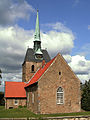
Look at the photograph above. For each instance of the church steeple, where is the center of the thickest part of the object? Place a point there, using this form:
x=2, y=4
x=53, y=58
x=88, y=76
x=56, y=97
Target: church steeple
x=37, y=29
x=37, y=40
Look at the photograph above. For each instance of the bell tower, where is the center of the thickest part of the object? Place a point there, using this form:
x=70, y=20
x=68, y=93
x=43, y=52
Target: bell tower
x=34, y=57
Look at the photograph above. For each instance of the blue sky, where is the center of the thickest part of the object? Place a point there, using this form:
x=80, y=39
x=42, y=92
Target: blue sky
x=64, y=27
x=73, y=13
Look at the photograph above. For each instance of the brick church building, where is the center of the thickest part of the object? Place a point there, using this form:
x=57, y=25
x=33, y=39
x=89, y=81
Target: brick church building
x=48, y=85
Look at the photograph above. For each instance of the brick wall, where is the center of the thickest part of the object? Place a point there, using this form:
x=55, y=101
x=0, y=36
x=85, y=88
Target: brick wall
x=10, y=102
x=51, y=81
x=27, y=72
x=32, y=91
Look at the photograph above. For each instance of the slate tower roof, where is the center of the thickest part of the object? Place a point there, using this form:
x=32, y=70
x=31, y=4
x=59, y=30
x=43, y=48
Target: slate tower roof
x=30, y=56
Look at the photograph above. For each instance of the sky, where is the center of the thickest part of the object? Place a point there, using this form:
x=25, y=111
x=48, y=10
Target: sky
x=64, y=28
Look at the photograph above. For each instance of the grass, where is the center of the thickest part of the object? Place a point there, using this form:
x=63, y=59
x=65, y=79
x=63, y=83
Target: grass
x=24, y=112
x=15, y=113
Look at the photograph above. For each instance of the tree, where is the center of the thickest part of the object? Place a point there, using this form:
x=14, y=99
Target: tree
x=2, y=102
x=0, y=74
x=85, y=100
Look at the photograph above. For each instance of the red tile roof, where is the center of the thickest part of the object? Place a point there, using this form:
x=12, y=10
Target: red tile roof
x=39, y=73
x=15, y=89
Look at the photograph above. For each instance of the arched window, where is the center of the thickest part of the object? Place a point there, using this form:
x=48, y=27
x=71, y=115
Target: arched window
x=60, y=96
x=32, y=68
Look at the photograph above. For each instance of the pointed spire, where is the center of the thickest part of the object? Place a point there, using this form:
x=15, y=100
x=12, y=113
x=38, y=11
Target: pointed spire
x=37, y=29
x=37, y=42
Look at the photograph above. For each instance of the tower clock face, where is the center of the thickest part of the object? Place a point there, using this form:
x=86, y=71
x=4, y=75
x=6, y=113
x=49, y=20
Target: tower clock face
x=38, y=56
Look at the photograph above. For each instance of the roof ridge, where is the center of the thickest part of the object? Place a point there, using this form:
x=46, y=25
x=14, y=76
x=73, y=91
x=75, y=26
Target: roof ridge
x=32, y=76
x=53, y=60
x=15, y=81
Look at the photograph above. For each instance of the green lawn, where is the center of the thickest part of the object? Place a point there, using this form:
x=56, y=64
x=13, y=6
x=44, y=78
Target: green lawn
x=23, y=112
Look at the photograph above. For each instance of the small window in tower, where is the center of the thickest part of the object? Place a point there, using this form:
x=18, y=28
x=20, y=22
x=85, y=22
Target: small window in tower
x=59, y=73
x=32, y=68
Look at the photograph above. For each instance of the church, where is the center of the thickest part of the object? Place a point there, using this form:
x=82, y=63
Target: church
x=48, y=85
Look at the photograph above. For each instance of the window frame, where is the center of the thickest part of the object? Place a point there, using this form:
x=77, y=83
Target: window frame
x=60, y=92
x=60, y=74
x=32, y=68
x=16, y=102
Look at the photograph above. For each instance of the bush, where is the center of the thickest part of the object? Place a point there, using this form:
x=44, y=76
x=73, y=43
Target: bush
x=2, y=101
x=20, y=106
x=85, y=100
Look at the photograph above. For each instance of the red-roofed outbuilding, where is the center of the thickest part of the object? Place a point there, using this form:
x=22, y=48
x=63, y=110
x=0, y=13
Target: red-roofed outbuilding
x=15, y=94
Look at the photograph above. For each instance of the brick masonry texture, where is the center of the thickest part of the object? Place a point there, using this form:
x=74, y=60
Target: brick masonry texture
x=27, y=72
x=46, y=88
x=10, y=102
x=32, y=90
x=51, y=81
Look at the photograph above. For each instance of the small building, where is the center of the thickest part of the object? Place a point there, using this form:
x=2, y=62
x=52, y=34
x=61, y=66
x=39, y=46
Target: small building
x=15, y=94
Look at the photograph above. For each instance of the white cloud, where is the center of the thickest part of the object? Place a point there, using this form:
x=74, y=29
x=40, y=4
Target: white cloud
x=59, y=38
x=11, y=11
x=58, y=26
x=12, y=51
x=81, y=67
x=57, y=42
x=84, y=78
x=13, y=47
x=13, y=76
